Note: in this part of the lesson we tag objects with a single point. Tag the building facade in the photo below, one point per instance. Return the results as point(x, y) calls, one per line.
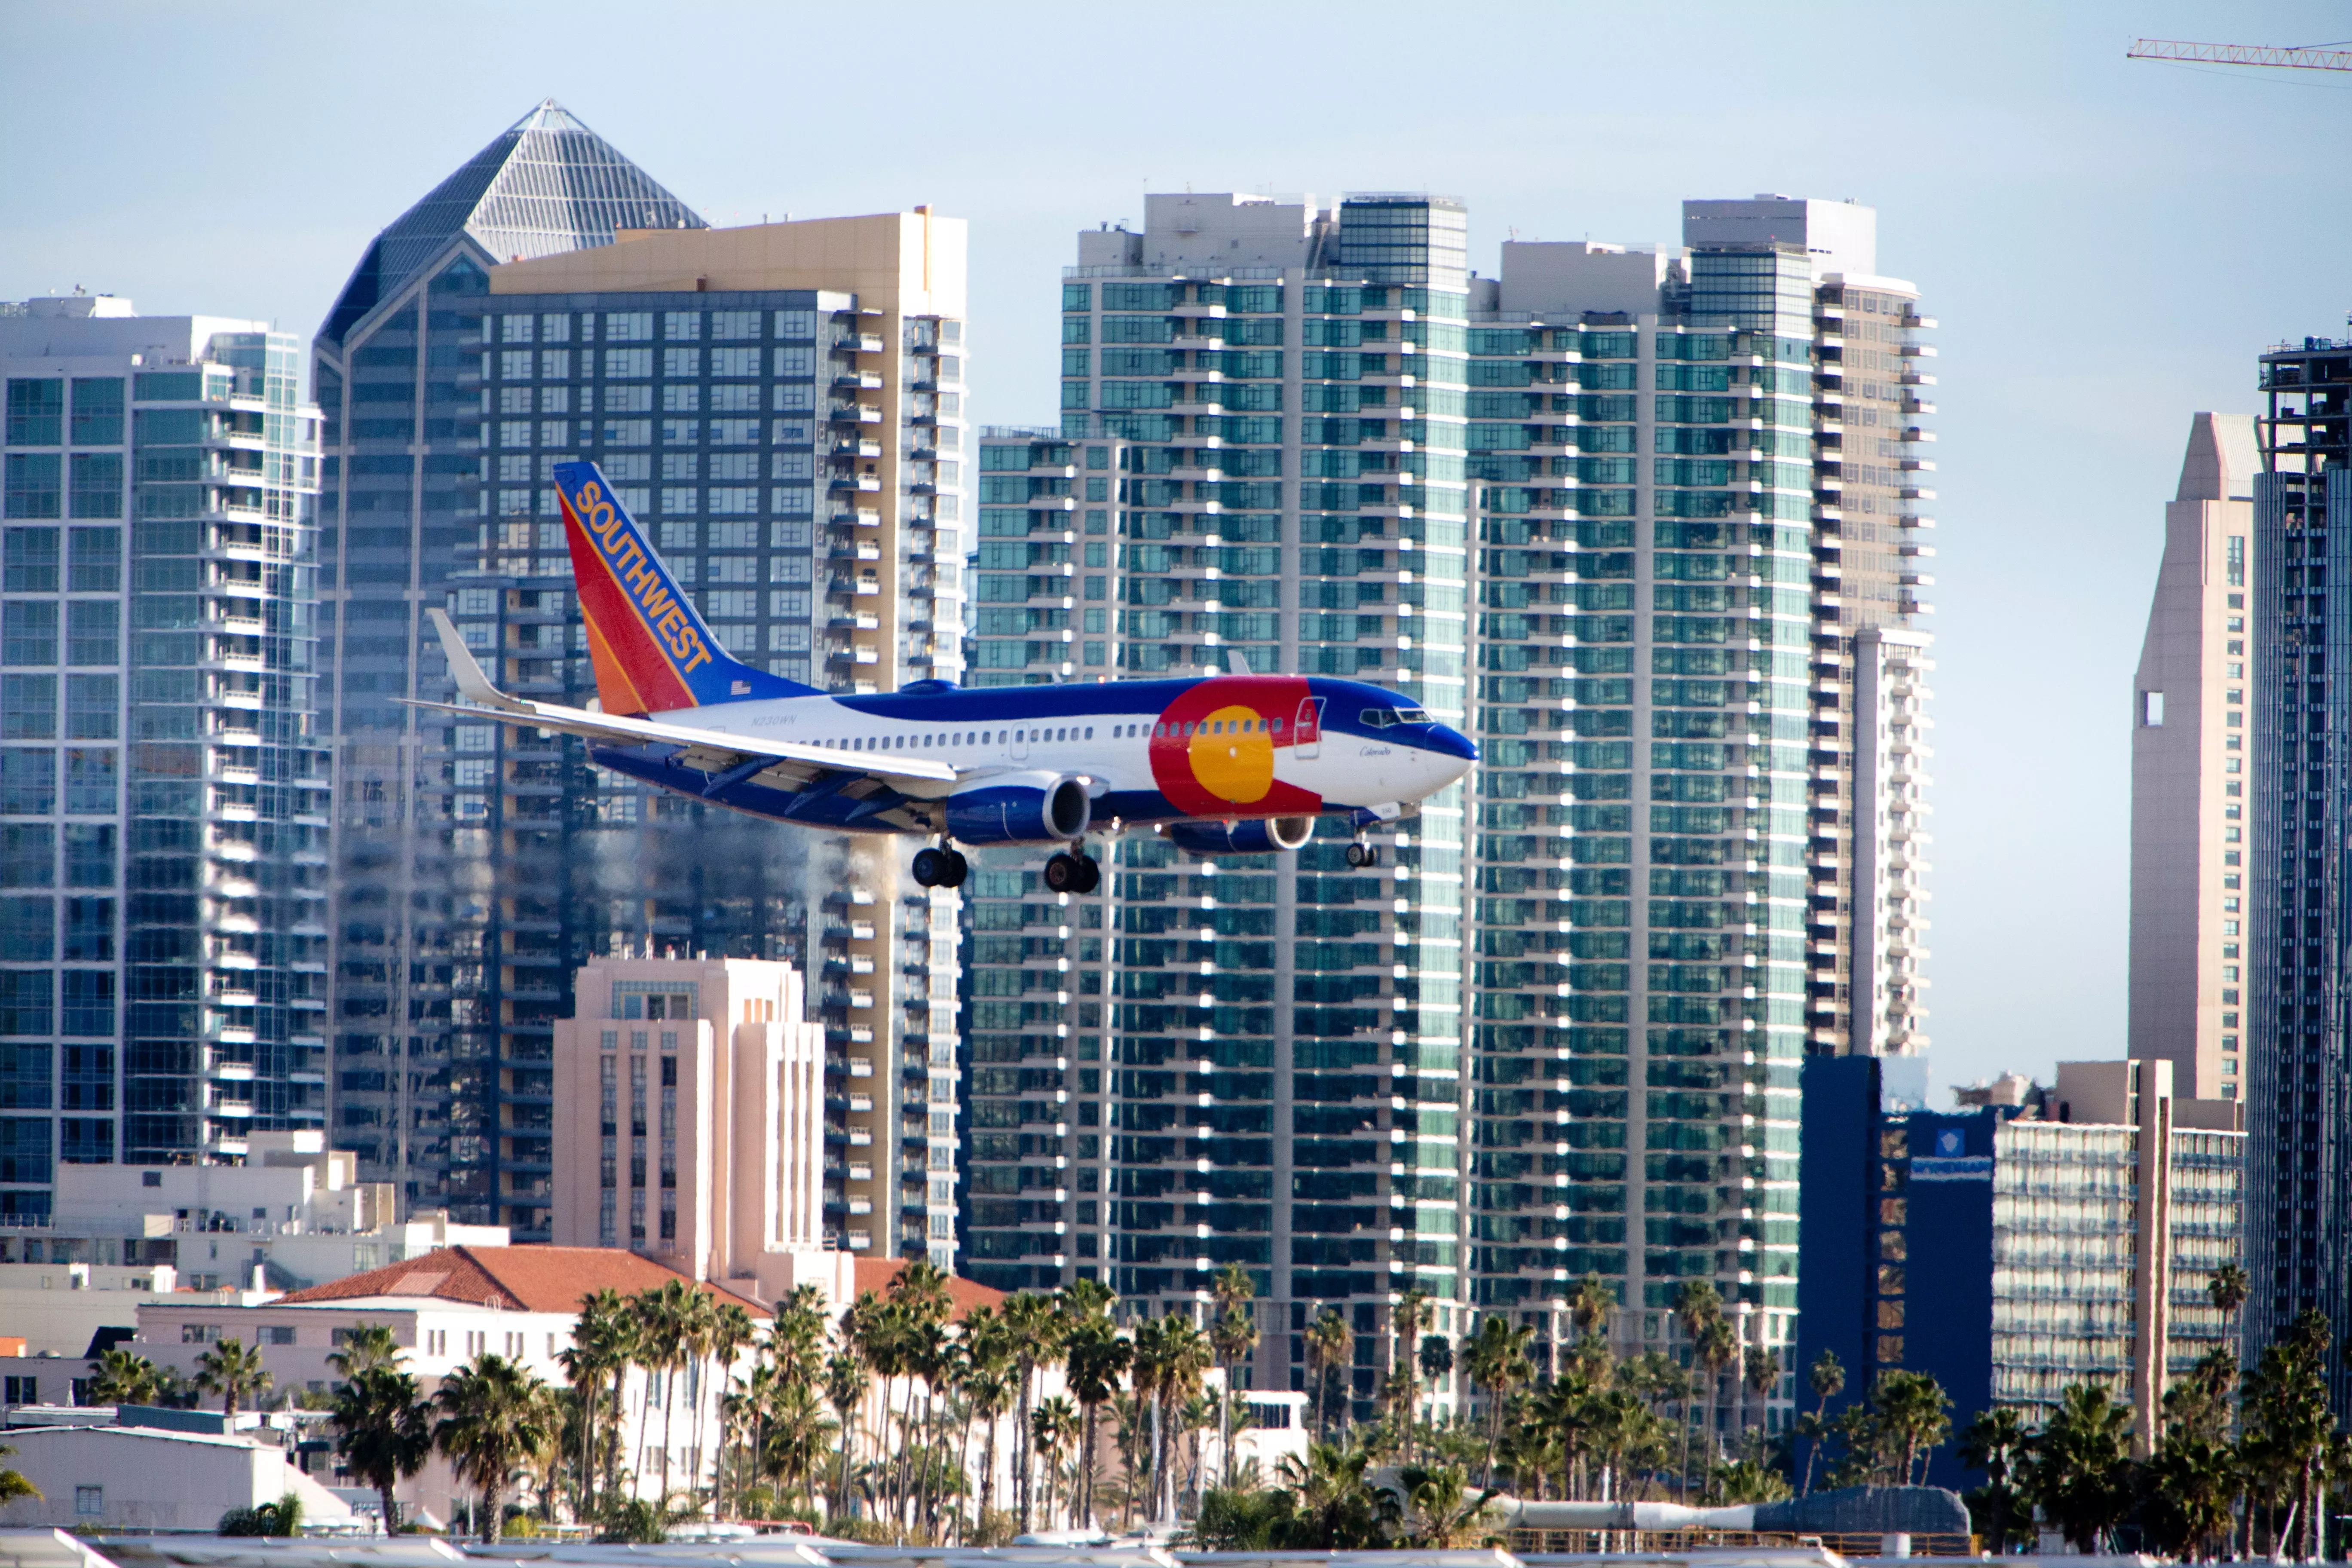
point(291, 1215)
point(2299, 1056)
point(2014, 1249)
point(162, 776)
point(690, 1101)
point(780, 406)
point(1699, 579)
point(1693, 509)
point(1255, 1059)
point(2190, 768)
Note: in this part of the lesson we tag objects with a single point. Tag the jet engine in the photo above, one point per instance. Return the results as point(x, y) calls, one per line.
point(1259, 835)
point(1020, 808)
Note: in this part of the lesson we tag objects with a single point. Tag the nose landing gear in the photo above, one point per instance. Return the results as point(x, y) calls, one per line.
point(1073, 874)
point(941, 868)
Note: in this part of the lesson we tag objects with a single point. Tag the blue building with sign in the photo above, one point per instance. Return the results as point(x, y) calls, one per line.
point(1997, 1247)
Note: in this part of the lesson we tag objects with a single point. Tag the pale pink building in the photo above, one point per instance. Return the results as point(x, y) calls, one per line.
point(689, 1120)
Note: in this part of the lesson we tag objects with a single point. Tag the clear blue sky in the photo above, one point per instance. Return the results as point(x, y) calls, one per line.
point(2107, 245)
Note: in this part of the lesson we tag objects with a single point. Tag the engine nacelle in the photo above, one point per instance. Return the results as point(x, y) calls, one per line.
point(1258, 836)
point(1020, 808)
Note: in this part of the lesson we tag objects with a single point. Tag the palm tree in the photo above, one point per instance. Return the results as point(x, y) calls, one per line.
point(1413, 1313)
point(2290, 1429)
point(1591, 1304)
point(1997, 1443)
point(1037, 1327)
point(1442, 1513)
point(2081, 1467)
point(730, 1329)
point(1496, 1360)
point(662, 1316)
point(1717, 1347)
point(1099, 1358)
point(599, 1349)
point(1053, 1427)
point(1697, 1303)
point(496, 1417)
point(123, 1378)
point(233, 1372)
point(797, 1433)
point(1826, 1378)
point(1184, 1354)
point(698, 1332)
point(383, 1431)
point(1330, 1348)
point(1232, 1339)
point(847, 1380)
point(2228, 1288)
point(987, 1386)
point(364, 1347)
point(1762, 1375)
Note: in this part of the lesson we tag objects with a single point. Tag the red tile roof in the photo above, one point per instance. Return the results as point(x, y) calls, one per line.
point(518, 1279)
point(875, 1274)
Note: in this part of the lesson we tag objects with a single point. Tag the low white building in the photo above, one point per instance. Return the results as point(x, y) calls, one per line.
point(294, 1214)
point(121, 1237)
point(141, 1478)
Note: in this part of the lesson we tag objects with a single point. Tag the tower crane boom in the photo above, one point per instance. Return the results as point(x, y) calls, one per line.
point(2240, 55)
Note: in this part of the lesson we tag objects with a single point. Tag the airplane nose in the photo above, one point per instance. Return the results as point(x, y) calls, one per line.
point(1446, 741)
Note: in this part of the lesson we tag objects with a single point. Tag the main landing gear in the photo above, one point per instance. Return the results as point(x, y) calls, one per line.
point(1360, 854)
point(941, 868)
point(1073, 874)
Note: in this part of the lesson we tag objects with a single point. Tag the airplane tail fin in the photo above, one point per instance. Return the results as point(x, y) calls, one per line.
point(653, 652)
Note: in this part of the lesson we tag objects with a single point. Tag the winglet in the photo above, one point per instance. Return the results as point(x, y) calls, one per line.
point(472, 684)
point(1235, 663)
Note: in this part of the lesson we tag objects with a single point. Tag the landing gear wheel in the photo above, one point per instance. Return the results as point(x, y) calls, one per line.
point(941, 868)
point(1090, 875)
point(1362, 855)
point(1062, 874)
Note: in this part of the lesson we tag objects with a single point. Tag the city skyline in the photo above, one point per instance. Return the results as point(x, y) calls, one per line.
point(2071, 171)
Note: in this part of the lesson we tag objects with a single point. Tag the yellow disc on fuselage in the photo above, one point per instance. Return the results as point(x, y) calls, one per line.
point(1231, 761)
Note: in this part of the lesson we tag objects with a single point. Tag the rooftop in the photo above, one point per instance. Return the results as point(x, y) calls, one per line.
point(875, 1274)
point(513, 1278)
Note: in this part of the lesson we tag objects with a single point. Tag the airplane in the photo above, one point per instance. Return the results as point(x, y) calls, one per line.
point(1223, 764)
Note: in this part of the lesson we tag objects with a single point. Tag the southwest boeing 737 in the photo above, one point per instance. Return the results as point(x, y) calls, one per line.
point(1230, 765)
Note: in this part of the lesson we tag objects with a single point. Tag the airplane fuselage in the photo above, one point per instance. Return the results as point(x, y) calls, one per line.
point(1220, 748)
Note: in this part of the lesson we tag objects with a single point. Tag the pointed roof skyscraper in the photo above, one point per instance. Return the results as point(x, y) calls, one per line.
point(546, 185)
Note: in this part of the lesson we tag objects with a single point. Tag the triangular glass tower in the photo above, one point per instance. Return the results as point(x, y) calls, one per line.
point(547, 184)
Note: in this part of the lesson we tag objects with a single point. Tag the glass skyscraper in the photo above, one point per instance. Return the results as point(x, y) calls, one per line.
point(1666, 509)
point(780, 407)
point(162, 781)
point(2299, 1160)
point(1253, 1060)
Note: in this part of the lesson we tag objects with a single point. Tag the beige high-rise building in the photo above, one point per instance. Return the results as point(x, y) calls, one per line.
point(689, 1119)
point(851, 448)
point(2189, 816)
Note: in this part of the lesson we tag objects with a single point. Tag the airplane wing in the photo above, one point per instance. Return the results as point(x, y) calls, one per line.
point(706, 751)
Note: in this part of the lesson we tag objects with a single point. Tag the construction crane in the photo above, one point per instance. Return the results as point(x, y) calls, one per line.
point(2314, 60)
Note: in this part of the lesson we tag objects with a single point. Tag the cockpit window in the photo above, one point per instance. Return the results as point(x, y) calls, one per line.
point(1412, 716)
point(1382, 718)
